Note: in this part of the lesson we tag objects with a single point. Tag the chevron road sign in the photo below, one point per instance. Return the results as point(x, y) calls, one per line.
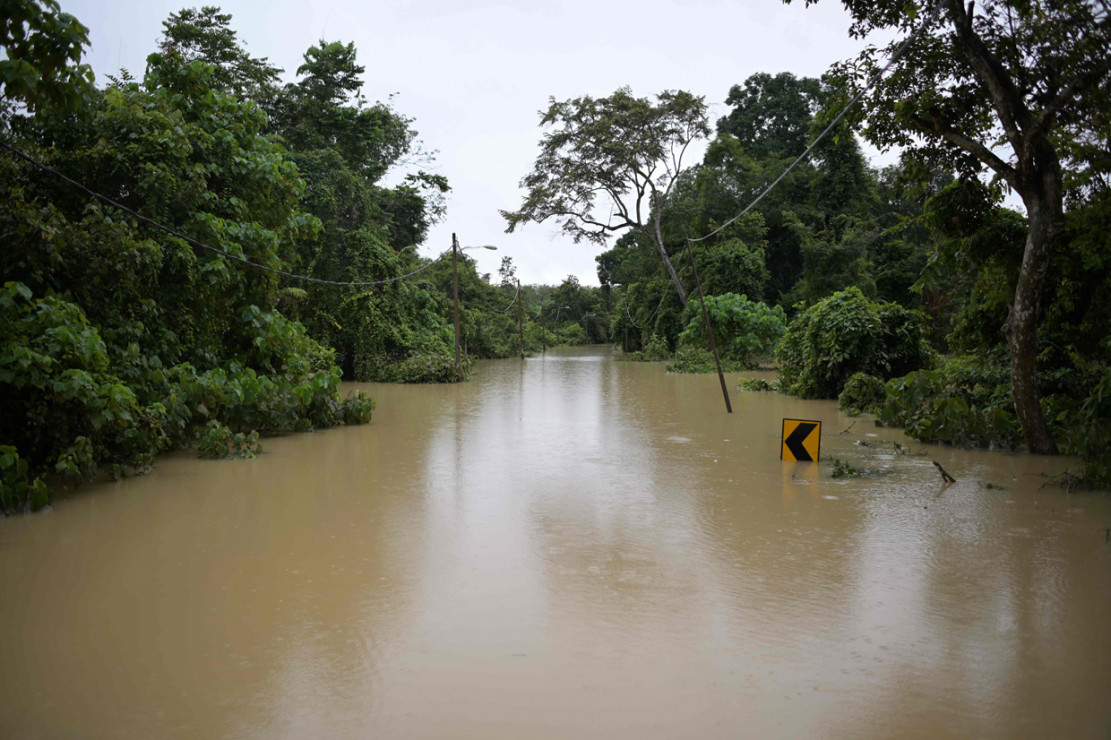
point(802, 440)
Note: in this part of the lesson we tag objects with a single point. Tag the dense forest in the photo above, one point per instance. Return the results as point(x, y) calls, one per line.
point(919, 292)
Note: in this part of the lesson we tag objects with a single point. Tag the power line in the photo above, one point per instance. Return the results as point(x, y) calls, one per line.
point(848, 106)
point(201, 245)
point(649, 319)
point(511, 302)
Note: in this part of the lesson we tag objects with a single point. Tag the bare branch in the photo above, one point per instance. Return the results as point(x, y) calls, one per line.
point(973, 147)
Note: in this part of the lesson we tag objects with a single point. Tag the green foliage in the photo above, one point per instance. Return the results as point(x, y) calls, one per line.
point(1078, 406)
point(846, 334)
point(358, 408)
point(746, 332)
point(696, 360)
point(833, 259)
point(732, 266)
point(1088, 433)
point(19, 490)
point(759, 384)
point(412, 369)
point(976, 260)
point(43, 46)
point(398, 331)
point(118, 342)
point(842, 469)
point(571, 333)
point(1036, 71)
point(205, 35)
point(214, 440)
point(863, 393)
point(628, 149)
point(655, 351)
point(966, 402)
point(772, 114)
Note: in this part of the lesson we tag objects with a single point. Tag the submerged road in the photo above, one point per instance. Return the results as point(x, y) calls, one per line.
point(564, 547)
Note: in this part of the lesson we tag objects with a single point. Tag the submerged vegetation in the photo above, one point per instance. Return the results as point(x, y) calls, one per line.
point(914, 292)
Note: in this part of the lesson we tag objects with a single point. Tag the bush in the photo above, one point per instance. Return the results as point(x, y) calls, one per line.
point(414, 369)
point(863, 393)
point(759, 384)
point(214, 440)
point(846, 334)
point(695, 360)
point(966, 402)
point(66, 412)
point(572, 333)
point(1079, 415)
point(655, 351)
point(745, 331)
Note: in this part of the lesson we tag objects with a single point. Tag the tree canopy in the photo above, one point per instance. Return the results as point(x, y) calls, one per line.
point(623, 151)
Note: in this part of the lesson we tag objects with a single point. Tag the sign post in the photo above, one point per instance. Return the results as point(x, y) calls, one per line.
point(801, 440)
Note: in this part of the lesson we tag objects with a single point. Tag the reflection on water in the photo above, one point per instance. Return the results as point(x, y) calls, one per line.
point(564, 547)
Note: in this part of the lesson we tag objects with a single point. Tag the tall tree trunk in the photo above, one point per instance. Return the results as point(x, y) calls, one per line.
point(1021, 328)
point(658, 238)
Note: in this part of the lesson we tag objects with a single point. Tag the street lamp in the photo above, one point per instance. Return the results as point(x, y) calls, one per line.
point(455, 249)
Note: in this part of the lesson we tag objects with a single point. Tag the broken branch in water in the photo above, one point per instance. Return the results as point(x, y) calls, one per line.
point(944, 473)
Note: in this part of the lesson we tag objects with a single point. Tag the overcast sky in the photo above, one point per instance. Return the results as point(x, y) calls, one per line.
point(474, 75)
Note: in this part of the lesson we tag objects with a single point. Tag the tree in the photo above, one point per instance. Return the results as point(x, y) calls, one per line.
point(342, 148)
point(42, 54)
point(118, 341)
point(205, 35)
point(996, 88)
point(772, 115)
point(627, 150)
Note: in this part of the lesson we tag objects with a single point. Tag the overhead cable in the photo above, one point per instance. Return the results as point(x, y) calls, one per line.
point(649, 319)
point(512, 301)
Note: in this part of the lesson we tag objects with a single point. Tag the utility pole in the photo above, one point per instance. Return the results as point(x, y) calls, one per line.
point(520, 319)
point(557, 321)
point(709, 329)
point(455, 279)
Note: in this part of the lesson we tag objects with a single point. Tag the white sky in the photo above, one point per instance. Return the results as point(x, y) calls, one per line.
point(474, 74)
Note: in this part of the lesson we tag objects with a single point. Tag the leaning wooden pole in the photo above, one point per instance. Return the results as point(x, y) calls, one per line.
point(709, 330)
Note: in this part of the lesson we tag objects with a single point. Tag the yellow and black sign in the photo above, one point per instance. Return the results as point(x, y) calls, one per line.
point(801, 440)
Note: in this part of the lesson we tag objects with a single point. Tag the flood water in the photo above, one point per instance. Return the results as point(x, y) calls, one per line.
point(564, 547)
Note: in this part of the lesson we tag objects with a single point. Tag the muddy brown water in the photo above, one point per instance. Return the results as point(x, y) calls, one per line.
point(566, 547)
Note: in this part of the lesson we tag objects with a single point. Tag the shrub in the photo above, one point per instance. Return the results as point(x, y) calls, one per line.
point(966, 402)
point(863, 393)
point(846, 334)
point(655, 351)
point(572, 333)
point(695, 360)
point(214, 440)
point(745, 331)
point(759, 384)
point(66, 412)
point(413, 369)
